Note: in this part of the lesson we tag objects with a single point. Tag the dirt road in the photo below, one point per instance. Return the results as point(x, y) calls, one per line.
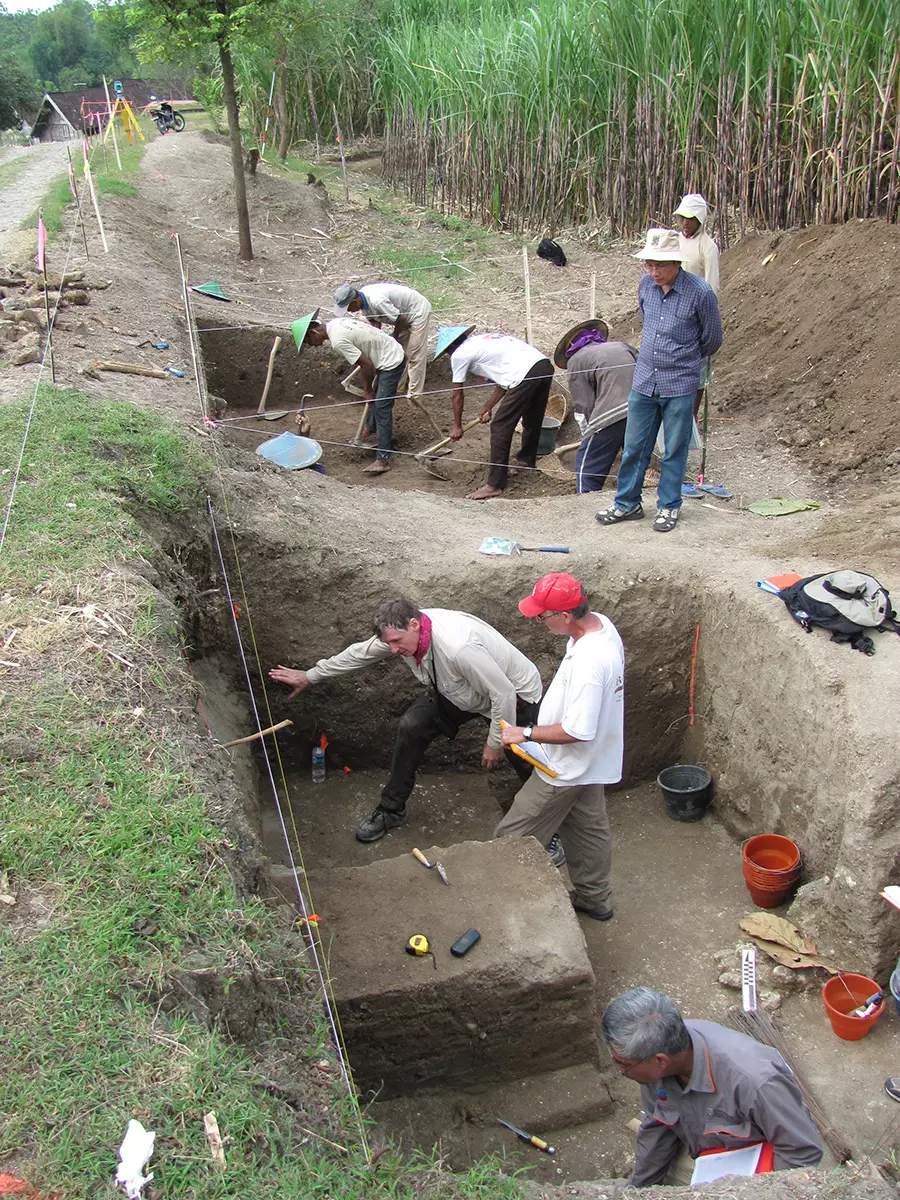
point(24, 194)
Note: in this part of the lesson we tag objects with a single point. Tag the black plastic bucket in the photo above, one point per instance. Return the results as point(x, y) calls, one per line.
point(687, 791)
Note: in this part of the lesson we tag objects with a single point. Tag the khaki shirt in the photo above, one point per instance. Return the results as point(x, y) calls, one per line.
point(474, 666)
point(740, 1092)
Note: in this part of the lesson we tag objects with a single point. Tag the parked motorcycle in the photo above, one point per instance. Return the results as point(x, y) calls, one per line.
point(167, 118)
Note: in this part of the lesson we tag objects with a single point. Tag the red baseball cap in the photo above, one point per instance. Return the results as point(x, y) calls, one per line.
point(557, 593)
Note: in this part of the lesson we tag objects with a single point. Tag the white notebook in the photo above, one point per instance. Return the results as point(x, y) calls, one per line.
point(727, 1162)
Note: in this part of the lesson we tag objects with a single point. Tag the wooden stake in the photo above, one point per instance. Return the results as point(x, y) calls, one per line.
point(80, 220)
point(89, 177)
point(47, 303)
point(260, 733)
point(189, 321)
point(528, 337)
point(112, 120)
point(337, 126)
point(593, 294)
point(130, 368)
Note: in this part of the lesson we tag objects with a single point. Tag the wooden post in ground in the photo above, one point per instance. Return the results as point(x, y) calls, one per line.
point(593, 294)
point(90, 179)
point(74, 186)
point(525, 271)
point(337, 126)
point(112, 120)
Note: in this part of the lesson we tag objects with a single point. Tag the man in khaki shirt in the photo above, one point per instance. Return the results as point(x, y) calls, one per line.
point(469, 670)
point(704, 1088)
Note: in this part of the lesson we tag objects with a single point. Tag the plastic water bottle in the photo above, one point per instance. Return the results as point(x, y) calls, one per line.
point(318, 764)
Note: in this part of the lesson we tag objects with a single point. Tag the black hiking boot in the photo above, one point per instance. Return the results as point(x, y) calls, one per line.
point(371, 829)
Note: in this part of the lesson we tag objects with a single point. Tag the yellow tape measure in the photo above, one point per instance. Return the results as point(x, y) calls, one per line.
point(418, 946)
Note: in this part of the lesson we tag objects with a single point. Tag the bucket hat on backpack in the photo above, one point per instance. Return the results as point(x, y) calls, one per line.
point(848, 603)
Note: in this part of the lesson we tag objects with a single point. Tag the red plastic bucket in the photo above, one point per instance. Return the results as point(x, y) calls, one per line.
point(841, 994)
point(768, 897)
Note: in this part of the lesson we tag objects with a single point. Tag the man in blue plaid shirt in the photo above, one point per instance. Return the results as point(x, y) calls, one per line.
point(682, 327)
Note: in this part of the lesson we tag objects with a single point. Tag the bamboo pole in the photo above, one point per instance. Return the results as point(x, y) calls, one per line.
point(112, 120)
point(337, 126)
point(525, 271)
point(42, 236)
point(80, 218)
point(259, 733)
point(593, 294)
point(189, 319)
point(90, 180)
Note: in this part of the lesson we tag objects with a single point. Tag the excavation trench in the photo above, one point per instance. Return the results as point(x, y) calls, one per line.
point(236, 363)
point(510, 1030)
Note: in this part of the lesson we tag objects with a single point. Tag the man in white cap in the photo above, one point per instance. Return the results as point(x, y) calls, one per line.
point(404, 309)
point(699, 253)
point(521, 376)
point(580, 730)
point(682, 328)
point(381, 362)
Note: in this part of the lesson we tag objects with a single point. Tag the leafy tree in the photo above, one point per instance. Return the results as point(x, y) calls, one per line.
point(19, 93)
point(192, 26)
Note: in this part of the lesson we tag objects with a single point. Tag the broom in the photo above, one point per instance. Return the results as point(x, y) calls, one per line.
point(761, 1028)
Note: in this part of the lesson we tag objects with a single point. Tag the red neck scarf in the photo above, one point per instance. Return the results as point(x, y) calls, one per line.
point(424, 639)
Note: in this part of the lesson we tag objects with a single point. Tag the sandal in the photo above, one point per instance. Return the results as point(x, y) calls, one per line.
point(613, 515)
point(666, 520)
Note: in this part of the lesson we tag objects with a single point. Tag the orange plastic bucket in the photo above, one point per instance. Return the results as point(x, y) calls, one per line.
point(772, 852)
point(841, 994)
point(769, 897)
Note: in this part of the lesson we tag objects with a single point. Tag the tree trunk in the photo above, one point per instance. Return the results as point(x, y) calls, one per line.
point(281, 110)
point(237, 153)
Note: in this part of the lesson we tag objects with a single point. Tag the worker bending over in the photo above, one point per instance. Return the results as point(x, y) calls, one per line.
point(381, 363)
point(705, 1088)
point(521, 376)
point(468, 669)
point(404, 309)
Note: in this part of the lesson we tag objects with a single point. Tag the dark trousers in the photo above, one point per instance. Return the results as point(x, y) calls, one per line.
point(380, 412)
point(596, 455)
point(527, 402)
point(425, 720)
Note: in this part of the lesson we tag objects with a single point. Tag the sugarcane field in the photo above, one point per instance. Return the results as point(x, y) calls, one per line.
point(332, 335)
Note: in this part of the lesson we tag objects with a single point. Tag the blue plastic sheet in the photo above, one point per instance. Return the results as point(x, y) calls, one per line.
point(290, 451)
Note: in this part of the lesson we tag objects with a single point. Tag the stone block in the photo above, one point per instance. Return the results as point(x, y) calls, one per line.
point(520, 1002)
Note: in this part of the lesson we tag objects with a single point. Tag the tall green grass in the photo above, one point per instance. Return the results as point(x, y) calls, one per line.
point(541, 113)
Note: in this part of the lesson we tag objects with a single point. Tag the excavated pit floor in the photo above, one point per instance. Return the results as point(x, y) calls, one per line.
point(678, 895)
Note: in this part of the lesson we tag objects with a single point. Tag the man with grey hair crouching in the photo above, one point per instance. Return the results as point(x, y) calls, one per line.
point(705, 1088)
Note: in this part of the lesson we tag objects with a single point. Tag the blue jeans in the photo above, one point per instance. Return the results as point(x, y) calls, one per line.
point(380, 412)
point(645, 415)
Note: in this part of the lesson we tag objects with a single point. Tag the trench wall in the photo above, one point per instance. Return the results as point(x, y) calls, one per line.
point(796, 730)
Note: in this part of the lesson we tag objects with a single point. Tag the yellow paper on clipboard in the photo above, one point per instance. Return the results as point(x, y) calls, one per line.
point(533, 752)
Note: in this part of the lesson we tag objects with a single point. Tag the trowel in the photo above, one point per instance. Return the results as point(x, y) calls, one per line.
point(439, 867)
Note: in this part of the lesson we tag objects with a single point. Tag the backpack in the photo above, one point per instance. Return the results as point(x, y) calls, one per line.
point(552, 251)
point(846, 602)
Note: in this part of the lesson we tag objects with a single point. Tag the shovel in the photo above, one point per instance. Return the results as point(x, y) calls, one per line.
point(424, 456)
point(261, 413)
point(495, 545)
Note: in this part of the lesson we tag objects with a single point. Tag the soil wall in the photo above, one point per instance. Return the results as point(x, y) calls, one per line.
point(787, 722)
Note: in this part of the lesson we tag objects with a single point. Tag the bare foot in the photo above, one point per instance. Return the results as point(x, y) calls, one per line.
point(378, 467)
point(485, 493)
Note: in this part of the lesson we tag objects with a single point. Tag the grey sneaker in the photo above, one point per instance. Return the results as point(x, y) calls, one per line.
point(600, 912)
point(371, 829)
point(666, 520)
point(613, 515)
point(556, 852)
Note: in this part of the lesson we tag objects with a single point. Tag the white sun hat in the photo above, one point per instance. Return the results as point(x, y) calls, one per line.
point(662, 245)
point(693, 205)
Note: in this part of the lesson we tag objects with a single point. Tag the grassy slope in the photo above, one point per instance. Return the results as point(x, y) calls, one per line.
point(108, 848)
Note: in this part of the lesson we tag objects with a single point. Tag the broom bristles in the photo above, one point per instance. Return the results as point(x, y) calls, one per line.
point(762, 1028)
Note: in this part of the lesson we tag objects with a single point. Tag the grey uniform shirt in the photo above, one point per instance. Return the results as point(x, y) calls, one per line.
point(600, 377)
point(739, 1092)
point(473, 665)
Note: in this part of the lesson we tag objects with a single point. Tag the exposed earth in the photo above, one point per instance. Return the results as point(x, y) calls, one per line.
point(805, 403)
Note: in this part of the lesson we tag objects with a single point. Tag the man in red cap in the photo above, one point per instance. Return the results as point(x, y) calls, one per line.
point(579, 734)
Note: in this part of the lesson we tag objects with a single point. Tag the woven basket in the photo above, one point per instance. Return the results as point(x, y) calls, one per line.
point(557, 407)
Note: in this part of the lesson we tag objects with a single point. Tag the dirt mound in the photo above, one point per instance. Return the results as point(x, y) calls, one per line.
point(810, 350)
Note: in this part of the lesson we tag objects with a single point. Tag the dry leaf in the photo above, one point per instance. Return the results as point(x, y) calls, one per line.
point(790, 958)
point(776, 929)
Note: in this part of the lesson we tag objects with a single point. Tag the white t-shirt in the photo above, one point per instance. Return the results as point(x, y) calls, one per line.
point(353, 338)
point(392, 300)
point(502, 359)
point(587, 697)
point(700, 256)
